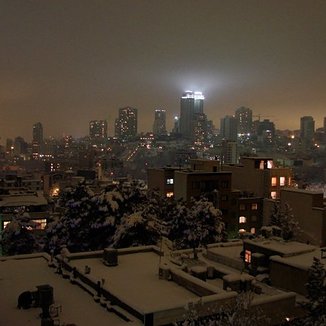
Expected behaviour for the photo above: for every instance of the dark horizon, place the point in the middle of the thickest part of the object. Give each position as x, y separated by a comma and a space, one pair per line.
63, 63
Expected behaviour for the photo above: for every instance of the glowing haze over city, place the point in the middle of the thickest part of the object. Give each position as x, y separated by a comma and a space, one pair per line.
65, 63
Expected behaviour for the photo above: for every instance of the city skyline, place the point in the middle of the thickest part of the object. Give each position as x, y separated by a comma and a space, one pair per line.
65, 65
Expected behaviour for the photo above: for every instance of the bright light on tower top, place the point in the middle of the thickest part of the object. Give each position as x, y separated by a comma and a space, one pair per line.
195, 95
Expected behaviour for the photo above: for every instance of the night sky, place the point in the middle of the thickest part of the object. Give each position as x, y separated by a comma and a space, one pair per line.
64, 63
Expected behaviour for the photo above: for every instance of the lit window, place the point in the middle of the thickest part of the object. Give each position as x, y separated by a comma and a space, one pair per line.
269, 164
169, 181
242, 231
274, 181
282, 181
254, 206
41, 224
261, 165
242, 219
248, 256
252, 230
273, 194
5, 223
169, 194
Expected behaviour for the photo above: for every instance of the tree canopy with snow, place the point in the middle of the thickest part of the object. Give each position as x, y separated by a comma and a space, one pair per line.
239, 314
90, 220
285, 221
197, 225
316, 295
17, 237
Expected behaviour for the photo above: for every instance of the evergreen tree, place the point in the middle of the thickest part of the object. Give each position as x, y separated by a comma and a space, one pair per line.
285, 221
316, 295
18, 237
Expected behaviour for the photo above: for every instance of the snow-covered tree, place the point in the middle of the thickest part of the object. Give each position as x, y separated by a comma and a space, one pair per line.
285, 221
90, 220
135, 230
198, 225
316, 295
239, 314
18, 237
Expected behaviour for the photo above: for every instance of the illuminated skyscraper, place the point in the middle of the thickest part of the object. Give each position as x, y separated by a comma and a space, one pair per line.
243, 117
159, 126
126, 124
191, 108
98, 130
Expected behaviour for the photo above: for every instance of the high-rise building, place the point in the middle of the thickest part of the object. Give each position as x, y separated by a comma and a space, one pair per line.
228, 128
37, 142
307, 130
265, 132
176, 125
159, 126
38, 133
98, 130
229, 153
200, 129
243, 117
191, 108
126, 124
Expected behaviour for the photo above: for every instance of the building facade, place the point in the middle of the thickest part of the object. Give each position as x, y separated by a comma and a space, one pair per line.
159, 125
259, 176
191, 106
228, 128
98, 130
243, 118
126, 124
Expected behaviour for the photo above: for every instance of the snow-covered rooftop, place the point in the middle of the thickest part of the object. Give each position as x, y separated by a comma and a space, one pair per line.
303, 261
19, 275
22, 200
284, 248
136, 281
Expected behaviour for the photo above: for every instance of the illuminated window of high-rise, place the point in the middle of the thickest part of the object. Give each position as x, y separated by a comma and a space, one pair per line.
273, 194
274, 181
252, 230
169, 194
254, 206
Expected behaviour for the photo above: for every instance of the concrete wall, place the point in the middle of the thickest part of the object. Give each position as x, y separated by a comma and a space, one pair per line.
311, 218
288, 277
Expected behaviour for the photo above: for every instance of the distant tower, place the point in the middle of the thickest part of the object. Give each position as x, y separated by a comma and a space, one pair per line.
126, 124
228, 128
176, 125
159, 126
37, 142
191, 109
266, 132
98, 130
307, 130
243, 117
